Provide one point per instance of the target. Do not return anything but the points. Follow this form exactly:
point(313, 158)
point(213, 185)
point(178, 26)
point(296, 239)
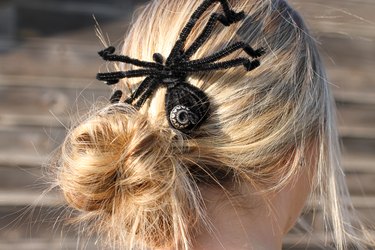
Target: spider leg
point(207, 32)
point(230, 17)
point(203, 36)
point(227, 51)
point(115, 98)
point(114, 77)
point(141, 88)
point(107, 54)
point(247, 63)
point(149, 91)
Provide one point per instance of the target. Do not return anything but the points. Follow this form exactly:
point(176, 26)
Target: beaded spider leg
point(114, 77)
point(227, 51)
point(195, 64)
point(186, 105)
point(229, 18)
point(108, 55)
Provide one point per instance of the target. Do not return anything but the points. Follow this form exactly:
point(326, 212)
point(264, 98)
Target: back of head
point(136, 180)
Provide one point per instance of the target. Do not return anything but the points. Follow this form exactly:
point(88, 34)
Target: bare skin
point(257, 225)
point(257, 228)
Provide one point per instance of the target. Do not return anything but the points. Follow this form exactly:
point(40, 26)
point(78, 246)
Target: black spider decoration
point(186, 105)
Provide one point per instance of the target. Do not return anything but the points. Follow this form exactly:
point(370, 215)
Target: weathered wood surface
point(46, 81)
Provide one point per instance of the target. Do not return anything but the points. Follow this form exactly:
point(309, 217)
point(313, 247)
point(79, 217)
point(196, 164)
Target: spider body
point(186, 105)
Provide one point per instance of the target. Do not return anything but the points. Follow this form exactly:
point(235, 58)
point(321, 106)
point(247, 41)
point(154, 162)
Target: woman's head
point(139, 182)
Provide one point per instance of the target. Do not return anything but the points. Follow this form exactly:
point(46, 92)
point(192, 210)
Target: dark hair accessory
point(186, 105)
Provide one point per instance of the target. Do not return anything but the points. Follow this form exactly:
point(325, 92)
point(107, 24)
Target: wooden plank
point(363, 205)
point(52, 59)
point(361, 183)
point(23, 178)
point(29, 198)
point(46, 121)
point(347, 49)
point(357, 132)
point(355, 96)
point(22, 160)
point(356, 115)
point(358, 154)
point(356, 162)
point(43, 244)
point(350, 67)
point(351, 18)
point(38, 228)
point(25, 80)
point(359, 147)
point(29, 145)
point(317, 241)
point(313, 215)
point(38, 101)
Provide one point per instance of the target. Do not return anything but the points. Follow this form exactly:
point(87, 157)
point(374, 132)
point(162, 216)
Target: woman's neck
point(251, 223)
point(238, 228)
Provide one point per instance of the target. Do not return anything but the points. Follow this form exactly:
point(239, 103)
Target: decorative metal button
point(179, 117)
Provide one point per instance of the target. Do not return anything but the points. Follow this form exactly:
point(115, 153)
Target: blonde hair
point(135, 180)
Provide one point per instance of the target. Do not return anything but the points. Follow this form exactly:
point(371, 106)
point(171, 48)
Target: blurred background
point(48, 63)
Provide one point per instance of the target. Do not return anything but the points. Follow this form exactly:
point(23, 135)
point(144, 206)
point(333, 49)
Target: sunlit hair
point(136, 181)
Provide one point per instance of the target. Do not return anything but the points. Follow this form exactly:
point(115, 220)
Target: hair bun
point(119, 169)
point(115, 156)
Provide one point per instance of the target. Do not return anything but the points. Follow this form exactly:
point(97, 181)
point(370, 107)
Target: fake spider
point(186, 105)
